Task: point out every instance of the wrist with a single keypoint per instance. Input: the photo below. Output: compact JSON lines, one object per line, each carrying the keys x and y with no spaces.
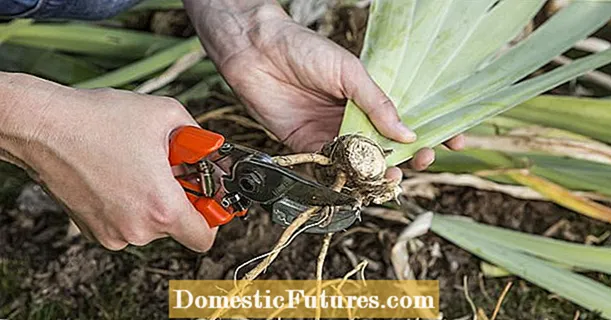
{"x":227,"y":27}
{"x":24,"y":108}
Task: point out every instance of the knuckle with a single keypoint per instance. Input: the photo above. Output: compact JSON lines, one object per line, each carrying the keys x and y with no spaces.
{"x":113,"y":244}
{"x":207,"y":243}
{"x":138,"y":238}
{"x":165,"y":218}
{"x":165,"y":214}
{"x":171,"y":108}
{"x":137,"y":235}
{"x":383,"y":110}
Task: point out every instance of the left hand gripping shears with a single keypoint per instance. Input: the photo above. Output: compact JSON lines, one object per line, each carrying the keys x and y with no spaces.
{"x":202,"y":159}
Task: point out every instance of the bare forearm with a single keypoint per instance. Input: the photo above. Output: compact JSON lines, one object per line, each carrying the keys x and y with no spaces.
{"x":11,"y":87}
{"x":227,"y":27}
{"x":23,"y":103}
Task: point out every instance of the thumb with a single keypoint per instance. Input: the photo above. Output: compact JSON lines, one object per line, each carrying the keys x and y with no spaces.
{"x":369,"y":97}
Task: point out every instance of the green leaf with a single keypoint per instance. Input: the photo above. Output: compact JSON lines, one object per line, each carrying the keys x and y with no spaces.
{"x":46,"y":64}
{"x":515,"y":259}
{"x":452,"y":122}
{"x":200,"y":90}
{"x":142,"y":68}
{"x":88,"y":39}
{"x":590,"y":117}
{"x":571,"y":173}
{"x":574,"y":255}
{"x":159,"y":5}
{"x":437,"y":61}
{"x":12,"y":27}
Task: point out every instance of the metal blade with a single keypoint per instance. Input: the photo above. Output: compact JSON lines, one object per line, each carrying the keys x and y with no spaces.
{"x":259,"y":179}
{"x":285,"y":211}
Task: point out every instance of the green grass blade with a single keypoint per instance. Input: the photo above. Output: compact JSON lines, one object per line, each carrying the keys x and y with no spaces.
{"x":570,"y":173}
{"x":502,"y":125}
{"x":381,"y":53}
{"x":428,"y":19}
{"x":480,"y":94}
{"x":88,"y":39}
{"x":12,"y":27}
{"x":572,"y":286}
{"x":460,"y":22}
{"x":505,"y":21}
{"x":158,"y":5}
{"x":200,"y":90}
{"x":201,"y":70}
{"x":438,"y":130}
{"x":47,"y":64}
{"x":578,"y":178}
{"x":590,"y":117}
{"x":567,"y":253}
{"x":543,"y":45}
{"x":142,"y":68}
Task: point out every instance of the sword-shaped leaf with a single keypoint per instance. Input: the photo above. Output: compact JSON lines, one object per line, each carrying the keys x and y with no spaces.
{"x":438,"y":62}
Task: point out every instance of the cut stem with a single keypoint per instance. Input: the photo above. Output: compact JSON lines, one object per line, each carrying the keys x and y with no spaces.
{"x":301,"y":158}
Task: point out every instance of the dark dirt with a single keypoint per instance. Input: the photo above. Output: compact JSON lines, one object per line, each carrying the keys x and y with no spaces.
{"x":44,"y":275}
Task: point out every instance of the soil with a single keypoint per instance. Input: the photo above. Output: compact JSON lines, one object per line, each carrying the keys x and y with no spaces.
{"x":44,"y":274}
{"x":50,"y":275}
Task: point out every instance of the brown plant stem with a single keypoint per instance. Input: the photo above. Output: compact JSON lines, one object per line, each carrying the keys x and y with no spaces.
{"x":217,"y":113}
{"x":319,"y":268}
{"x":500,"y":301}
{"x":286,"y":235}
{"x":322,"y":255}
{"x":181,"y":65}
{"x":301,"y":158}
{"x":340,"y":181}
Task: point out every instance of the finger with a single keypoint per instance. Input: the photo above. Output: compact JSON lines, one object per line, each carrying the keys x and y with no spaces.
{"x":361,"y":88}
{"x":394,"y":174}
{"x":456,"y":143}
{"x":422,"y":159}
{"x":312,"y":135}
{"x":82,"y":227}
{"x":192,"y":230}
{"x":113,"y":243}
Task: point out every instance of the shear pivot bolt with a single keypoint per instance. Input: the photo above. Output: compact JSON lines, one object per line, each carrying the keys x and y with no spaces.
{"x":250,"y":182}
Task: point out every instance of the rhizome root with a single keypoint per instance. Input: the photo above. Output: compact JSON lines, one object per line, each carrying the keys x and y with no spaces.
{"x":352,"y":164}
{"x":364,"y":163}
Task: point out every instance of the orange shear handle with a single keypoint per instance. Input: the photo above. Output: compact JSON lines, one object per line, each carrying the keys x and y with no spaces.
{"x":189,"y":145}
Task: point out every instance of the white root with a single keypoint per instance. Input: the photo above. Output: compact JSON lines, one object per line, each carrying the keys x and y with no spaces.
{"x":181,"y":65}
{"x":295,"y":159}
{"x":416,"y":180}
{"x":576,"y":149}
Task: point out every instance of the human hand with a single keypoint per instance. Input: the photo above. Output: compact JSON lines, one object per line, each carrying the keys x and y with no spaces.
{"x":296,"y":83}
{"x":104,"y":155}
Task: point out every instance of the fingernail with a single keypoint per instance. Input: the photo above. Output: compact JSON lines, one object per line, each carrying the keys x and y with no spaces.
{"x":407,"y":134}
{"x":430,"y":162}
{"x":460,"y":142}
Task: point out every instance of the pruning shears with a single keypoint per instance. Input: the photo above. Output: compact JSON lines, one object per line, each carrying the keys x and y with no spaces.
{"x":223,"y":180}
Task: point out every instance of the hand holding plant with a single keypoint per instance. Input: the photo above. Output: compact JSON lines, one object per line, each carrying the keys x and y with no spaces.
{"x":294,"y":82}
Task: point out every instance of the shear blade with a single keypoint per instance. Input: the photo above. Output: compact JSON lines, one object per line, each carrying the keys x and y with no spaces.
{"x":265,"y":182}
{"x":285,"y":211}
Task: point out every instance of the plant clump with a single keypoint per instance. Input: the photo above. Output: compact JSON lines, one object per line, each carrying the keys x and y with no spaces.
{"x":363,"y":161}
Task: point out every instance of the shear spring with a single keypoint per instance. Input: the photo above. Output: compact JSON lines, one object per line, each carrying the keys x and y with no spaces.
{"x":205,"y":177}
